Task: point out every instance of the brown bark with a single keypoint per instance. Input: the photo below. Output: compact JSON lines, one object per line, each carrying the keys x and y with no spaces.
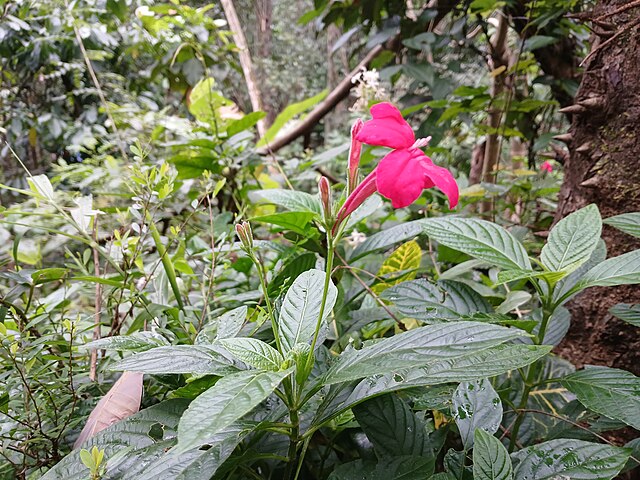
{"x":264,"y":38}
{"x":245,"y":60}
{"x":604,"y":169}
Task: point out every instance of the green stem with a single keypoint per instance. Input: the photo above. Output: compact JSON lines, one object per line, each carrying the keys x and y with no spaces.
{"x":325,"y":292}
{"x":529,"y":381}
{"x":166,"y":261}
{"x":293,"y":445}
{"x":267,"y":299}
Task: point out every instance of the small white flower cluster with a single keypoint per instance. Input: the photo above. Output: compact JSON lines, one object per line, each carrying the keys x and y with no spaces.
{"x":367,"y":89}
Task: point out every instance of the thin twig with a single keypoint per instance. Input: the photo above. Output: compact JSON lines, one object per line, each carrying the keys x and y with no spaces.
{"x":98,"y":303}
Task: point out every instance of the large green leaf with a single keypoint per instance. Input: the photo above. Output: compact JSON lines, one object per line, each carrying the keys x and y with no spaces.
{"x":476,"y":404}
{"x":301,"y":308}
{"x":621,"y":270}
{"x":480,"y":239}
{"x":387,"y":238}
{"x":136,"y":342}
{"x":573,"y":240}
{"x":126,"y":439}
{"x":430,"y":302}
{"x":295,"y":221}
{"x":608,"y":391}
{"x":490,"y":459}
{"x":396,"y":468}
{"x":392,"y":427}
{"x":574,"y":459}
{"x":290,"y":199}
{"x":485,"y":363}
{"x":228,"y":400}
{"x":416,"y":348}
{"x":254,"y":352}
{"x":565,"y":286}
{"x":627,"y":312}
{"x":627,"y":222}
{"x":179,"y":359}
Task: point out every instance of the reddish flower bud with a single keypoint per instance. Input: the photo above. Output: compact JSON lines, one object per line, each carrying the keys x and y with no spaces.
{"x":324,"y":190}
{"x":243,"y":230}
{"x":354,"y":154}
{"x":546,"y":167}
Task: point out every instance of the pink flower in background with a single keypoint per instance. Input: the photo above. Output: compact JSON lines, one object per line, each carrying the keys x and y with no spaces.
{"x":546,"y":167}
{"x":403,"y":173}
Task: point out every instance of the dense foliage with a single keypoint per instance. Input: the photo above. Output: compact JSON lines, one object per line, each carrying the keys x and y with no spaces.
{"x":289,"y":322}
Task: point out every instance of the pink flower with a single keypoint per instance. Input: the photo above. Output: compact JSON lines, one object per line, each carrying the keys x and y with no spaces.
{"x":546,"y":167}
{"x":403,"y":173}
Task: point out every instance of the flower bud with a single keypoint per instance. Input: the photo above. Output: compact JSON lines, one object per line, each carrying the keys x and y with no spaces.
{"x":324,"y":190}
{"x":243,"y":230}
{"x":354,"y":155}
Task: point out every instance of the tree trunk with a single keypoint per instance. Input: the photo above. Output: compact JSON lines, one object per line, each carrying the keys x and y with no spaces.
{"x":264,"y":40}
{"x":245,"y":59}
{"x":604,"y":169}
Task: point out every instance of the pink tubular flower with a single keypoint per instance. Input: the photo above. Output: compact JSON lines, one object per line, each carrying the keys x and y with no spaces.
{"x":546,"y":167}
{"x":403,"y":173}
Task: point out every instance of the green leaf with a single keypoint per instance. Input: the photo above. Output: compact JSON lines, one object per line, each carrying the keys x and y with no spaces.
{"x":430,"y":302}
{"x":288,"y":114}
{"x":538,"y":41}
{"x":485,"y":363}
{"x":574,"y":459}
{"x":480,"y":239}
{"x":289,"y":199}
{"x":476,"y":405}
{"x":295,"y":221}
{"x":396,"y":468}
{"x":627,"y":313}
{"x":565,"y":286}
{"x":230,"y":323}
{"x":403,"y":262}
{"x":418,"y":347}
{"x":573,"y":240}
{"x":621,"y":270}
{"x":244,"y":123}
{"x":490,"y":459}
{"x":301,"y":308}
{"x":254,"y":352}
{"x":387,"y":238}
{"x":610,"y":392}
{"x":228,"y":400}
{"x":292,"y":270}
{"x":136,"y":342}
{"x":205,"y":101}
{"x":515,"y":299}
{"x":627,"y":222}
{"x":506,"y":276}
{"x":392,"y":427}
{"x":178,"y":359}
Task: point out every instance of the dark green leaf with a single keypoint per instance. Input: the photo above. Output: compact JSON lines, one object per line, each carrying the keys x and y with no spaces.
{"x":490,"y":459}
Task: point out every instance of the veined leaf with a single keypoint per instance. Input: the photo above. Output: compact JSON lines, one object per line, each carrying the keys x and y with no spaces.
{"x":392,"y":427}
{"x":490,"y":459}
{"x":480,"y":239}
{"x":397,"y":468}
{"x":476,"y":405}
{"x":301,"y":308}
{"x":178,"y":359}
{"x":295,"y":221}
{"x":573,"y":240}
{"x":418,"y":347}
{"x":621,"y":270}
{"x":229,"y":399}
{"x":254,"y":352}
{"x":564,"y":458}
{"x":290,"y":199}
{"x":388,"y":237}
{"x":627,"y":313}
{"x":230,"y":323}
{"x":610,"y":392}
{"x":403,"y":262}
{"x":565,"y":285}
{"x":627,"y":222}
{"x":136,"y":342}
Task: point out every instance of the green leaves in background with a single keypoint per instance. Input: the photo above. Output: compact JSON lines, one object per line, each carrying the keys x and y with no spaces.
{"x":227,"y":401}
{"x":610,"y":392}
{"x":490,"y":458}
{"x":291,"y":200}
{"x":627,"y":222}
{"x":480,"y":239}
{"x":476,"y":405}
{"x":574,"y":459}
{"x":573,"y":240}
{"x":230,"y":323}
{"x":301,"y":308}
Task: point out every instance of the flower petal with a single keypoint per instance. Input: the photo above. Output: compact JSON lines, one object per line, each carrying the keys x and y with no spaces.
{"x":401,"y":177}
{"x":441,"y":178}
{"x":387,"y":129}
